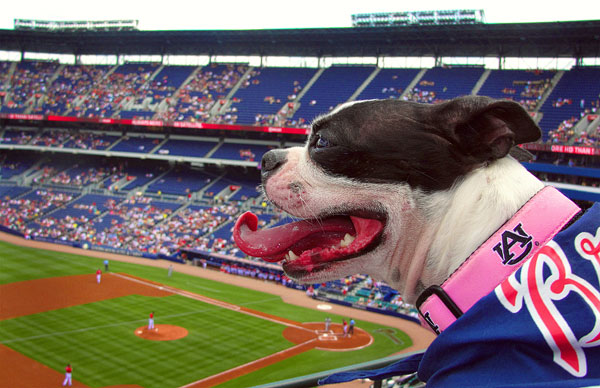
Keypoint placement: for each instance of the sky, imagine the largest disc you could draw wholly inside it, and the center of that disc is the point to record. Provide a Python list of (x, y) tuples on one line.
[(271, 14)]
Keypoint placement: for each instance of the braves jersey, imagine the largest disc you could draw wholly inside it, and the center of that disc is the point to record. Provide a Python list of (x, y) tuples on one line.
[(538, 328)]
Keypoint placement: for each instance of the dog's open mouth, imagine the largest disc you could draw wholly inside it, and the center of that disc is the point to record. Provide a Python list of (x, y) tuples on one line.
[(309, 245)]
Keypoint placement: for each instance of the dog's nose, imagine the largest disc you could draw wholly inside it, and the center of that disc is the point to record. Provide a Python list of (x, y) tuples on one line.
[(271, 161)]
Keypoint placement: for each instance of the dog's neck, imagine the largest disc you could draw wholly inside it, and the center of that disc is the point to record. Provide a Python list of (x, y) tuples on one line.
[(459, 220)]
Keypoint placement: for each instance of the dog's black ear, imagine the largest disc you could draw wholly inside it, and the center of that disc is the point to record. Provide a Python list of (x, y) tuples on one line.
[(490, 131)]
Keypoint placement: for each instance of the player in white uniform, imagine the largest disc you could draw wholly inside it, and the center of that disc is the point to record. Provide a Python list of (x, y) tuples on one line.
[(151, 321), (68, 380)]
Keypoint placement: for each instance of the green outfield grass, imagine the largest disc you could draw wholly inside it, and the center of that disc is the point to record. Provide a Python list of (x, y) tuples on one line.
[(98, 340)]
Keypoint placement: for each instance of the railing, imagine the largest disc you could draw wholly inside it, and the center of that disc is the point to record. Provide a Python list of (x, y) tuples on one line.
[(312, 380)]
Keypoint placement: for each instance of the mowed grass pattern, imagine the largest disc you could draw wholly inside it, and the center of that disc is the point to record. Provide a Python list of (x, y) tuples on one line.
[(98, 338), (114, 355)]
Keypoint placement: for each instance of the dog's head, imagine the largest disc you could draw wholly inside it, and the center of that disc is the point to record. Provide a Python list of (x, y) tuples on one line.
[(358, 182)]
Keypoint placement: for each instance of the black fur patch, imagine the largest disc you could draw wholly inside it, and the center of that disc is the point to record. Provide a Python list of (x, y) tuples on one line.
[(426, 146)]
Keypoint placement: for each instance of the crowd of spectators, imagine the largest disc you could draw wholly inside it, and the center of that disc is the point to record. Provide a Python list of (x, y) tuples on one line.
[(46, 172), (392, 92), (422, 96), (52, 138), (254, 272), (29, 84), (110, 92), (80, 177), (105, 91), (16, 213), (588, 139), (532, 92), (566, 134), (89, 141), (363, 290), (59, 138), (208, 87), (17, 137), (132, 225), (69, 89), (4, 79), (138, 224)]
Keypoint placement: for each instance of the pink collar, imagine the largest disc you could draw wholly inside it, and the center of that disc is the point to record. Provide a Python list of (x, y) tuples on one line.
[(532, 227)]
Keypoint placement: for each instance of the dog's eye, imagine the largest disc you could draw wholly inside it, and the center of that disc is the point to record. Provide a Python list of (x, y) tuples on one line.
[(322, 143)]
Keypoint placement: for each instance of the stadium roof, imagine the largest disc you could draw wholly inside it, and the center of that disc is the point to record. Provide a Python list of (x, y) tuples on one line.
[(552, 40)]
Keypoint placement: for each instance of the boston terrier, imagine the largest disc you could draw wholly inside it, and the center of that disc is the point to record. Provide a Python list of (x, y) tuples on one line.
[(432, 199)]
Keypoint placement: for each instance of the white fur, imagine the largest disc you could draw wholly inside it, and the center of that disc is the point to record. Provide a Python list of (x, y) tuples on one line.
[(472, 210)]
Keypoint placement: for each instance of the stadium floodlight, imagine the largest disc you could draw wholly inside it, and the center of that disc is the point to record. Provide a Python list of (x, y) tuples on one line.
[(418, 18), (72, 25)]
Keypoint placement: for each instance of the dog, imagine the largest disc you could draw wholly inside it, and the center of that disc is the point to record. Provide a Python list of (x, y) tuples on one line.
[(432, 199)]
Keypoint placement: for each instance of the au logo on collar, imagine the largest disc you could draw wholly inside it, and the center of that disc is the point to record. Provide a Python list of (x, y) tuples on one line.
[(509, 239), (434, 327)]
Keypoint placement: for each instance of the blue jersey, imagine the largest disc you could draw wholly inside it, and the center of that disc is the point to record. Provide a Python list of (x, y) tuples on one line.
[(539, 328)]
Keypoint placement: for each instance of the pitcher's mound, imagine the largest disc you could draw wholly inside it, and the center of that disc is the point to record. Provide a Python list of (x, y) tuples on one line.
[(161, 332)]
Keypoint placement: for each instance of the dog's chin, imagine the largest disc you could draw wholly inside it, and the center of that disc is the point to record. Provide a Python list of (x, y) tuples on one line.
[(314, 250)]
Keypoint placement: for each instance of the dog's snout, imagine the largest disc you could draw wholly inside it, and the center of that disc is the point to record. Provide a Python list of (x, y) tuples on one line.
[(271, 161)]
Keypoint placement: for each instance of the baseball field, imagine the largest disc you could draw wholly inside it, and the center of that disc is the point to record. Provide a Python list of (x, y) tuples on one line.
[(53, 312)]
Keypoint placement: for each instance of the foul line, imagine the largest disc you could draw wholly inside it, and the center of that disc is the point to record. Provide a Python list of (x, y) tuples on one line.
[(293, 349), (214, 302)]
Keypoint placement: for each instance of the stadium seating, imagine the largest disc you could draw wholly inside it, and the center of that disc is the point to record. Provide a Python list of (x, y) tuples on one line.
[(209, 85), (241, 151), (389, 83), (28, 86), (9, 192), (50, 139), (17, 136), (14, 164), (189, 147), (69, 88), (335, 86), (4, 78), (444, 83), (268, 89), (524, 86), (180, 182), (202, 94), (136, 144), (90, 141), (577, 91)]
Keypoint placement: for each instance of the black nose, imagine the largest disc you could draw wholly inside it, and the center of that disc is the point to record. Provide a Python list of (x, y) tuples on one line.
[(271, 161)]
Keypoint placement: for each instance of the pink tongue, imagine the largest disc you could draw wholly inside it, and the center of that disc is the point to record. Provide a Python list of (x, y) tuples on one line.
[(272, 244)]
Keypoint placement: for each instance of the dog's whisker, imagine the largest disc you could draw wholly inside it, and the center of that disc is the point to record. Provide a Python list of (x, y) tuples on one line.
[(426, 175)]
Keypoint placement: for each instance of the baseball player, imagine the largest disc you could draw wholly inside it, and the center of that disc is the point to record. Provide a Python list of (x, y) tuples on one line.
[(151, 321), (345, 325), (327, 323), (68, 371), (98, 275)]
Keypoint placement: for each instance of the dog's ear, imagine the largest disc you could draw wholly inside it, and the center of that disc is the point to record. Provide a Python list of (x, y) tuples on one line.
[(489, 132)]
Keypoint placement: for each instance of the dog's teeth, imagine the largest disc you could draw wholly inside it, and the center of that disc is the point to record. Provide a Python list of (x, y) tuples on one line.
[(347, 240), (291, 256)]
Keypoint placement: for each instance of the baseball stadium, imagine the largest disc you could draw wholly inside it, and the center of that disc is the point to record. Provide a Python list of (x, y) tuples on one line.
[(126, 157)]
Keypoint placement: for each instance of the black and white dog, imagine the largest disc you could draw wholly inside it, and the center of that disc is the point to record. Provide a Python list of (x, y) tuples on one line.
[(432, 200)]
